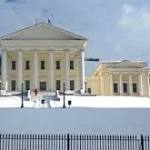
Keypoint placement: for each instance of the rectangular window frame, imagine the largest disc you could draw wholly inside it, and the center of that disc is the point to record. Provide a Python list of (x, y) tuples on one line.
[(13, 85), (13, 65), (43, 65), (58, 65), (27, 65), (72, 85), (58, 84), (43, 86), (71, 65), (125, 88), (89, 90), (134, 87), (115, 87), (27, 85)]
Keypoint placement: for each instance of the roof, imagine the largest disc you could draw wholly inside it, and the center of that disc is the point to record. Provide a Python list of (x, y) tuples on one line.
[(124, 64), (42, 31), (120, 64)]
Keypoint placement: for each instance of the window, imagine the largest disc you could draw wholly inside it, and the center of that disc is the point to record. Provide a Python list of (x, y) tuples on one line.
[(89, 90), (71, 84), (27, 84), (134, 86), (115, 88), (71, 65), (57, 65), (13, 85), (125, 88), (43, 86), (27, 67), (57, 84), (13, 65), (42, 65)]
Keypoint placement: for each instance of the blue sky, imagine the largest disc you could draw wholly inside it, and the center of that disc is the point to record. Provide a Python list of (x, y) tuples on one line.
[(116, 29)]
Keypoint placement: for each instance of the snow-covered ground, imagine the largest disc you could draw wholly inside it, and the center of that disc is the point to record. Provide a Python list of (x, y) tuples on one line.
[(86, 115), (80, 101), (75, 120)]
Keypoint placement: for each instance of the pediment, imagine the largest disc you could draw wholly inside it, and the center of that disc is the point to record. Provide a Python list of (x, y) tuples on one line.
[(43, 31), (128, 64)]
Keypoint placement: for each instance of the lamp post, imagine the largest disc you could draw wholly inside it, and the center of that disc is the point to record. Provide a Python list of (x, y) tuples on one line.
[(64, 106), (22, 95)]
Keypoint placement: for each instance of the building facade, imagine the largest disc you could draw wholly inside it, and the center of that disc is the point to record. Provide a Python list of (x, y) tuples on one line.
[(43, 57), (120, 78)]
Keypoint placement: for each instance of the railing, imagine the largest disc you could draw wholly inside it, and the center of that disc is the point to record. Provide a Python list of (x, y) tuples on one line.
[(73, 142)]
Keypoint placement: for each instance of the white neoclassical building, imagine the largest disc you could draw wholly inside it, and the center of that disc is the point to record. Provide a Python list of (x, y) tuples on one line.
[(44, 57), (120, 78)]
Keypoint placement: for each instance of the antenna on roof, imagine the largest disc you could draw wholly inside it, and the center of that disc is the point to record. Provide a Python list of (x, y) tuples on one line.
[(49, 21)]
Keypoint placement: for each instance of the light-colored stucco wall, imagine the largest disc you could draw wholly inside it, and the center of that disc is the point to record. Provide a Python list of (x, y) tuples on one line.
[(94, 85)]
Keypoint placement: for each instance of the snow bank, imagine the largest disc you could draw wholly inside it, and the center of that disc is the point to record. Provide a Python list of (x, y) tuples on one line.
[(110, 101), (13, 102), (81, 101)]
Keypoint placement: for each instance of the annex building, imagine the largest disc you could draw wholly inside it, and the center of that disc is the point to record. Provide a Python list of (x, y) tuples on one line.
[(120, 78), (43, 57)]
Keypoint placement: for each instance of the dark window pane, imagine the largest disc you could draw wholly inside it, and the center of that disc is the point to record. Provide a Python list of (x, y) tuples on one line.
[(71, 64), (125, 88), (89, 90), (13, 85), (57, 64), (27, 84), (13, 65), (71, 84), (42, 86), (42, 65), (134, 86), (57, 84), (27, 67), (115, 87)]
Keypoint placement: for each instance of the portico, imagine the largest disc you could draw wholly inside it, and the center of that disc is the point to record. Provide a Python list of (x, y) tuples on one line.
[(128, 84), (44, 57)]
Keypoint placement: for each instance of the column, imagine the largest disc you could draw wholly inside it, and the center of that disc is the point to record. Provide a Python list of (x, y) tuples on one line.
[(130, 85), (82, 72), (148, 85), (66, 69), (19, 70), (141, 85), (35, 69), (77, 68), (4, 70), (102, 84), (51, 71), (120, 84), (111, 84)]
